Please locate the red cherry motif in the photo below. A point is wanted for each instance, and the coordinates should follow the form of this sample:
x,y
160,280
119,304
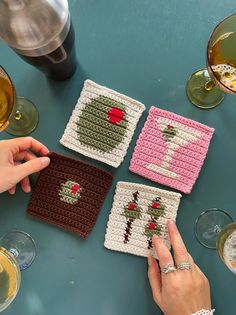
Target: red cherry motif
x,y
155,205
152,226
131,206
169,126
75,188
115,115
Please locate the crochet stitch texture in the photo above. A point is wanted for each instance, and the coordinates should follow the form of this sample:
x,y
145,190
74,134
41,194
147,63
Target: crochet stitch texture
x,y
69,194
171,149
138,212
102,124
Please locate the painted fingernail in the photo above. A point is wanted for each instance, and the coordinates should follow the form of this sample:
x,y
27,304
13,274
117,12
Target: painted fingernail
x,y
45,160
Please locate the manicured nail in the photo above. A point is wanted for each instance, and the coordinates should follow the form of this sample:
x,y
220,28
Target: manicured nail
x,y
45,160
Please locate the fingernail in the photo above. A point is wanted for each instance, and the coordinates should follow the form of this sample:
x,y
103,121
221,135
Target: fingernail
x,y
155,237
28,189
171,221
45,160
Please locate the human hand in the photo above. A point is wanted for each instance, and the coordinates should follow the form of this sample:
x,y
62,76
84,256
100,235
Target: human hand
x,y
12,170
181,292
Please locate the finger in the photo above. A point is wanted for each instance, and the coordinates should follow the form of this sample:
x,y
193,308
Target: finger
x,y
154,276
24,156
180,251
25,184
162,251
12,190
26,143
23,170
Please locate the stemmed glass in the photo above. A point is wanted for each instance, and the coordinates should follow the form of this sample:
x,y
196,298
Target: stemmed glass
x,y
17,114
206,87
215,229
17,252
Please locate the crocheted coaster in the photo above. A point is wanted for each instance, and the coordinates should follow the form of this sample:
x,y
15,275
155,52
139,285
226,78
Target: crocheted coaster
x,y
69,194
171,149
102,124
138,212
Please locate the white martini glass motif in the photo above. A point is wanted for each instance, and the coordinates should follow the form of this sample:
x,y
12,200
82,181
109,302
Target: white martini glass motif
x,y
180,137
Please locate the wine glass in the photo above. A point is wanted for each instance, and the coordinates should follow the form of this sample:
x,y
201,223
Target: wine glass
x,y
209,224
206,87
17,252
226,246
18,115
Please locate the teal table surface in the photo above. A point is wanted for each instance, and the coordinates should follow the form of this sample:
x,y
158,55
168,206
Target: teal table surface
x,y
147,50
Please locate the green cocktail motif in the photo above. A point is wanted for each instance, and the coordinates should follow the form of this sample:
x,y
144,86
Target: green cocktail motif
x,y
156,210
132,211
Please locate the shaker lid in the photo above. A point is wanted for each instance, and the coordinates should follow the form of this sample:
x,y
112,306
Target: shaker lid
x,y
28,25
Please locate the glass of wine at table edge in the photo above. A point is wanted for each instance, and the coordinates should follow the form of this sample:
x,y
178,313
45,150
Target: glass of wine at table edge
x,y
206,87
17,252
18,115
215,229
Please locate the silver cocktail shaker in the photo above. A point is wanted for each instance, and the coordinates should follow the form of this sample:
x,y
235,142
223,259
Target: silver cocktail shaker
x,y
41,33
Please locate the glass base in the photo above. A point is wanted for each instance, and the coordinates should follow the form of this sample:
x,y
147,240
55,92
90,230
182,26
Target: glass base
x,y
25,118
209,224
21,246
201,90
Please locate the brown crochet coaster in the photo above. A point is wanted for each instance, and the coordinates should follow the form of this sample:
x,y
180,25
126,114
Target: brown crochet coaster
x,y
69,194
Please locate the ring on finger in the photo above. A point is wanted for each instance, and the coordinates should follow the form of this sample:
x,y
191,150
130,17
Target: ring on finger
x,y
185,265
168,268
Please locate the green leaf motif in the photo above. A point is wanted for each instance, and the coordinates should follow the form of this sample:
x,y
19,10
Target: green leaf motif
x,y
102,124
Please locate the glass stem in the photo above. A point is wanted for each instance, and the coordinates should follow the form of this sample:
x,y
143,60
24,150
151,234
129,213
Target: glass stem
x,y
14,252
209,85
18,115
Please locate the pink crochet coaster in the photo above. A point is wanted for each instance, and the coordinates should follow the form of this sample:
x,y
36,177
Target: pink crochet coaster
x,y
171,149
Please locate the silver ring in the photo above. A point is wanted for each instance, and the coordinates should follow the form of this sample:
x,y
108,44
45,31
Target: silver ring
x,y
168,268
185,265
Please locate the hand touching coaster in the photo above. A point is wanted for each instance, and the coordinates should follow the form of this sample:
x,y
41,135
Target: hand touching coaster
x,y
102,124
69,194
171,149
138,212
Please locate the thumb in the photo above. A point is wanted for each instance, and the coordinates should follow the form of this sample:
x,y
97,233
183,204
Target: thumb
x,y
30,167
